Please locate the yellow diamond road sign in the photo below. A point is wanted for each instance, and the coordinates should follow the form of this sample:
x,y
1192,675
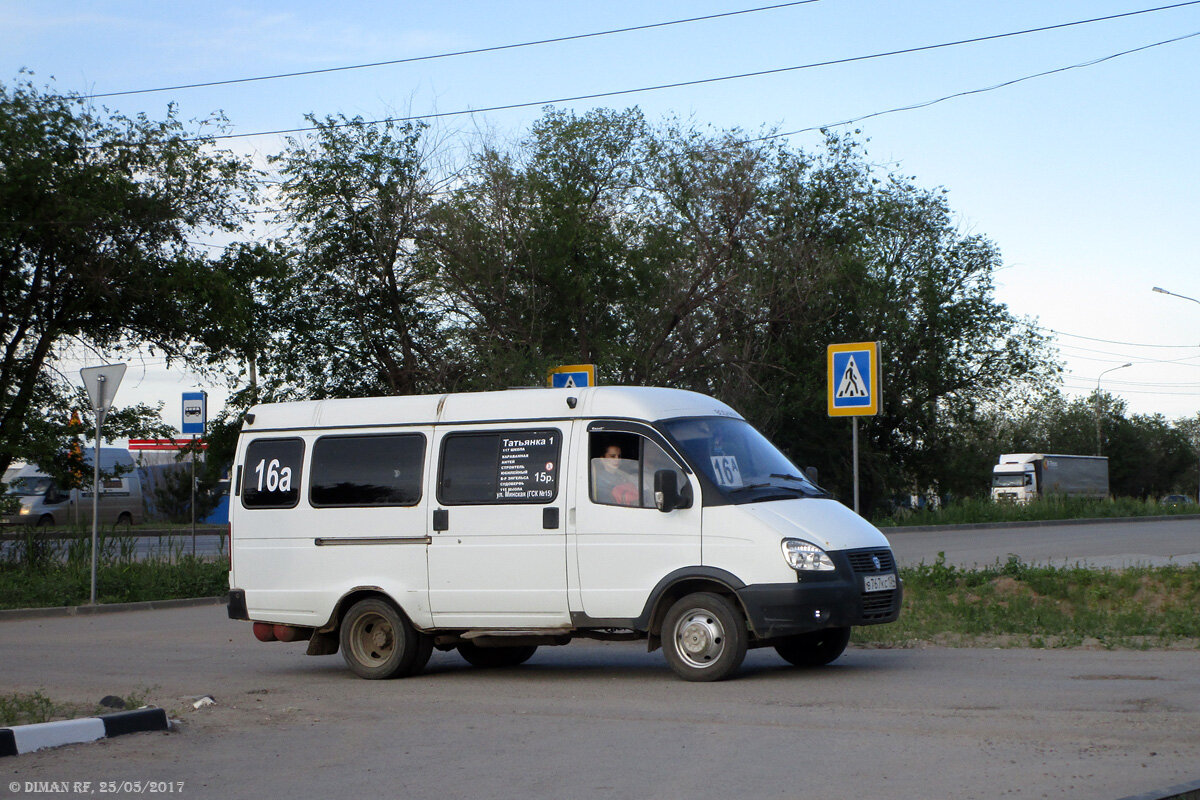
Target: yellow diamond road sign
x,y
854,381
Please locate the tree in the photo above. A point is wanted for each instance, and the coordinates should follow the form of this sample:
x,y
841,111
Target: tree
x,y
97,216
355,316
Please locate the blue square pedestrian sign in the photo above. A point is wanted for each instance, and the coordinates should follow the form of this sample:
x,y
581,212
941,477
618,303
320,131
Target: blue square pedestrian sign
x,y
573,376
854,380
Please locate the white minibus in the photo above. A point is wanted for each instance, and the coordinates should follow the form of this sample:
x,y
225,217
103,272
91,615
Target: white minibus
x,y
498,522
43,503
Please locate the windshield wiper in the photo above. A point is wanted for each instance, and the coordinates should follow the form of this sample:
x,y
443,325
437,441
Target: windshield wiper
x,y
788,477
749,486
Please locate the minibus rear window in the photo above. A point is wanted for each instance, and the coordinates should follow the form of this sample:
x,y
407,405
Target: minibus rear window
x,y
272,473
383,470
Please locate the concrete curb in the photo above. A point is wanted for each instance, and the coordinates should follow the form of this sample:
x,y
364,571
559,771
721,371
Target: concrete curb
x,y
1184,791
20,739
108,608
1033,523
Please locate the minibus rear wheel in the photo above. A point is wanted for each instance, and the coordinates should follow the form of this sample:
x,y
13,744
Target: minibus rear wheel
x,y
814,649
478,656
378,642
704,637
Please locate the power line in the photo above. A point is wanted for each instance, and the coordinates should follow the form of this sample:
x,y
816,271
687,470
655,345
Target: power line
x,y
758,74
994,87
475,51
1110,341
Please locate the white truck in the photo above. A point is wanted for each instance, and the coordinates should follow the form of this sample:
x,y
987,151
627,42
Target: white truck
x,y
1023,477
498,522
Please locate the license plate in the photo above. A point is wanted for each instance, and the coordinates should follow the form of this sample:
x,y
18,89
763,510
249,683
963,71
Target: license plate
x,y
879,583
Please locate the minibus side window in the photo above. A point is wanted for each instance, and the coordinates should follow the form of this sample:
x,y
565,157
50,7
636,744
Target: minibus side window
x,y
380,470
272,473
516,466
623,467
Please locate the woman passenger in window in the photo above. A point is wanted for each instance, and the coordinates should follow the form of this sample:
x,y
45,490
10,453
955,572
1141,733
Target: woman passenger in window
x,y
616,478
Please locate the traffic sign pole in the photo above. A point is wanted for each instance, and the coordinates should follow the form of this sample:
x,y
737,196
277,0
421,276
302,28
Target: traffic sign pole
x,y
854,389
101,384
854,428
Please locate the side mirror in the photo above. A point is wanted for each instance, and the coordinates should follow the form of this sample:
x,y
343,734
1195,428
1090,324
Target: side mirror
x,y
811,474
666,490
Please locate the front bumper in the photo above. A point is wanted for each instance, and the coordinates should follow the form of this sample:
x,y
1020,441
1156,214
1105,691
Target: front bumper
x,y
825,600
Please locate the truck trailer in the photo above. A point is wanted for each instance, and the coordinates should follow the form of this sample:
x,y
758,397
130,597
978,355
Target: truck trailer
x,y
1022,477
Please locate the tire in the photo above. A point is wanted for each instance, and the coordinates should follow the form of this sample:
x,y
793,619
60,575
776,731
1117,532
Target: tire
x,y
492,657
45,521
704,637
124,524
378,642
814,649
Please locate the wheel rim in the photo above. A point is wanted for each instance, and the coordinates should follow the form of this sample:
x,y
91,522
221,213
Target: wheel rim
x,y
699,638
373,639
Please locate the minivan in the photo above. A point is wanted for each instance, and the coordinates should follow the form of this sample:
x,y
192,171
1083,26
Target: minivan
x,y
496,523
43,503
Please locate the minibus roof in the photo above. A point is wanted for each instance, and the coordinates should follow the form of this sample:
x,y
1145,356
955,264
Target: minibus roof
x,y
516,405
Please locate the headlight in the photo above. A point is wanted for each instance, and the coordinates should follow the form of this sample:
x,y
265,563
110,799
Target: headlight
x,y
804,556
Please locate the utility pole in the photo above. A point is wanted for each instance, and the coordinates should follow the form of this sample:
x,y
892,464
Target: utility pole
x,y
1194,300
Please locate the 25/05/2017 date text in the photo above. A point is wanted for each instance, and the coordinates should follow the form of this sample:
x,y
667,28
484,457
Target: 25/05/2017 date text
x,y
96,787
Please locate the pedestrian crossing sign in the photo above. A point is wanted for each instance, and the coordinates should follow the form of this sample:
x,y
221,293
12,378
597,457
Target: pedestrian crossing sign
x,y
854,379
572,376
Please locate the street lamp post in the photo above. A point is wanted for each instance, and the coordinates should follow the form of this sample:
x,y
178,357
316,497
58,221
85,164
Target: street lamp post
x,y
1097,403
1194,300
1181,296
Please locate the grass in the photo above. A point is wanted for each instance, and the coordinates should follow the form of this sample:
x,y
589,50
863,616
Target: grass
x,y
1019,605
27,708
972,510
37,572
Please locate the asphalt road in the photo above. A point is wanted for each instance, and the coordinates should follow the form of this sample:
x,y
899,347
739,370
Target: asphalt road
x,y
599,720
1096,544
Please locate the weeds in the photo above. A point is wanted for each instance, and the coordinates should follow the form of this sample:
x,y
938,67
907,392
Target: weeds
x,y
32,707
36,571
1023,605
972,510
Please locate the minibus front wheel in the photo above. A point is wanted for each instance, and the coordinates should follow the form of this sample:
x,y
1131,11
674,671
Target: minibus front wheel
x,y
704,637
379,642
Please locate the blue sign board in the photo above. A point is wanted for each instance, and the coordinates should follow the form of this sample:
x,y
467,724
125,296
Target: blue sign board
x,y
195,413
573,376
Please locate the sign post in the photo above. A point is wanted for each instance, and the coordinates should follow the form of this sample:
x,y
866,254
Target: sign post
x,y
195,420
854,388
101,383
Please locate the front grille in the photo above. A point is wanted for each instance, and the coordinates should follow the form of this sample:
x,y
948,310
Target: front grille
x,y
878,605
863,561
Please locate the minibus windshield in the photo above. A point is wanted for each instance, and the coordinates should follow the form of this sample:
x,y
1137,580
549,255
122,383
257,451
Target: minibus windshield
x,y
739,460
30,486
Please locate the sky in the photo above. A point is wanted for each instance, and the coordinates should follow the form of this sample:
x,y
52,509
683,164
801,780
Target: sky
x,y
1085,178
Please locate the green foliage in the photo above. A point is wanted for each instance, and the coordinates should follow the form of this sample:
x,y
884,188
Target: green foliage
x,y
1020,604
97,215
173,495
973,510
28,708
58,573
